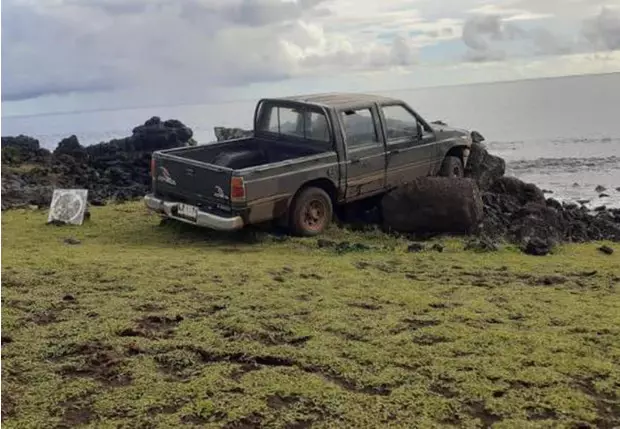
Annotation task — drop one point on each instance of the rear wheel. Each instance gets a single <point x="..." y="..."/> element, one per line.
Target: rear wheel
<point x="311" y="212"/>
<point x="452" y="166"/>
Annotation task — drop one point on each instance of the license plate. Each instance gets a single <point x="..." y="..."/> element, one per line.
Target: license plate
<point x="187" y="211"/>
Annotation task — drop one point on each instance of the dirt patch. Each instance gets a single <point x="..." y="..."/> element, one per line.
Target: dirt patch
<point x="8" y="406"/>
<point x="149" y="307"/>
<point x="268" y="338"/>
<point x="346" y="384"/>
<point x="152" y="326"/>
<point x="93" y="360"/>
<point x="479" y="411"/>
<point x="299" y="424"/>
<point x="253" y="421"/>
<point x="208" y="310"/>
<point x="49" y="315"/>
<point x="75" y="414"/>
<point x="179" y="363"/>
<point x="444" y="305"/>
<point x="269" y="360"/>
<point x="443" y="388"/>
<point x="550" y="280"/>
<point x="9" y="281"/>
<point x="181" y="288"/>
<point x="240" y="358"/>
<point x="607" y="405"/>
<point x="415" y="323"/>
<point x="365" y="306"/>
<point x="238" y="372"/>
<point x="540" y="413"/>
<point x="361" y="265"/>
<point x="20" y="304"/>
<point x="278" y="402"/>
<point x="45" y="317"/>
<point x="427" y="339"/>
<point x="311" y="276"/>
<point x="199" y="420"/>
<point x="134" y="350"/>
<point x="351" y="336"/>
<point x="165" y="409"/>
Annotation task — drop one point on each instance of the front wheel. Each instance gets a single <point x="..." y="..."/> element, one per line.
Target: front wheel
<point x="452" y="166"/>
<point x="311" y="213"/>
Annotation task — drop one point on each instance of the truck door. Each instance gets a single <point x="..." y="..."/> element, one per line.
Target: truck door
<point x="365" y="152"/>
<point x="408" y="154"/>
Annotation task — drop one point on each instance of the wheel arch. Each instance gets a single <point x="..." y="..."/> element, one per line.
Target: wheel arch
<point x="460" y="151"/>
<point x="322" y="183"/>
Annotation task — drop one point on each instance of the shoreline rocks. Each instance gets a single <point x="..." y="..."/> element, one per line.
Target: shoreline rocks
<point x="118" y="169"/>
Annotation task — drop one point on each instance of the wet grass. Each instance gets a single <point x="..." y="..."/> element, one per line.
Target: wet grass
<point x="142" y="325"/>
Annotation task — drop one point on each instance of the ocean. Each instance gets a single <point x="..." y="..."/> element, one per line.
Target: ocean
<point x="563" y="134"/>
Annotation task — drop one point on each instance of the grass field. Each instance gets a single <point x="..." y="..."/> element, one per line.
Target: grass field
<point x="142" y="325"/>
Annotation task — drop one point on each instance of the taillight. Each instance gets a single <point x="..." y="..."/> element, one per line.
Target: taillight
<point x="152" y="167"/>
<point x="237" y="189"/>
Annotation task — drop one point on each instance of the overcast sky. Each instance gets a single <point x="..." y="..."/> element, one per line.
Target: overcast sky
<point x="60" y="55"/>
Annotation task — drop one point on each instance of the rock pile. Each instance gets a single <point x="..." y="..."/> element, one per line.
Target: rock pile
<point x="118" y="169"/>
<point x="518" y="211"/>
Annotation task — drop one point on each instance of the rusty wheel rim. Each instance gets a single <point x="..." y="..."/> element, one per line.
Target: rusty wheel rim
<point x="313" y="215"/>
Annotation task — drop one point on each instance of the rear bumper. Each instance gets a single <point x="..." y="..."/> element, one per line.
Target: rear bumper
<point x="203" y="219"/>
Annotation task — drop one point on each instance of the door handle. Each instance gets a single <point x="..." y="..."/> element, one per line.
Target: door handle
<point x="355" y="161"/>
<point x="394" y="151"/>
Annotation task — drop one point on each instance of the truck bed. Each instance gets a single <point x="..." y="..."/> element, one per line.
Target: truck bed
<point x="249" y="152"/>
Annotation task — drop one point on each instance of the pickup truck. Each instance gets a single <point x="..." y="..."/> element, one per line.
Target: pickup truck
<point x="307" y="155"/>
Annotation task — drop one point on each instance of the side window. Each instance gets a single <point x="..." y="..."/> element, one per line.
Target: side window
<point x="299" y="123"/>
<point x="359" y="127"/>
<point x="284" y="120"/>
<point x="399" y="122"/>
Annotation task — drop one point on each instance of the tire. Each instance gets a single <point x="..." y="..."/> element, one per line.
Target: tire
<point x="311" y="212"/>
<point x="452" y="166"/>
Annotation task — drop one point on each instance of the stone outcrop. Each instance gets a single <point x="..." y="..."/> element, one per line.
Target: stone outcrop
<point x="483" y="167"/>
<point x="118" y="169"/>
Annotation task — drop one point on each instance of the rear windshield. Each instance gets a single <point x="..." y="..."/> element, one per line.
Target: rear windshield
<point x="295" y="122"/>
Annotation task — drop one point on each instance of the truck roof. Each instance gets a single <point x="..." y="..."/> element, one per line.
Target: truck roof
<point x="339" y="100"/>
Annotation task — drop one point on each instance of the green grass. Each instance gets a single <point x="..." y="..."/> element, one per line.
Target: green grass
<point x="143" y="325"/>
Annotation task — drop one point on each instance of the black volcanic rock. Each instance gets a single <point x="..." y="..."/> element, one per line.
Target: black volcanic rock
<point x="118" y="169"/>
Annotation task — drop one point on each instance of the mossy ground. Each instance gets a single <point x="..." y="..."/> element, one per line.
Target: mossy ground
<point x="143" y="325"/>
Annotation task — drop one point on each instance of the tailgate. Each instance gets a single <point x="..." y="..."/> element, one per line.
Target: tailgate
<point x="193" y="182"/>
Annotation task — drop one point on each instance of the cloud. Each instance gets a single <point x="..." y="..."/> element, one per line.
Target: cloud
<point x="482" y="32"/>
<point x="603" y="30"/>
<point x="178" y="49"/>
<point x="531" y="28"/>
<point x="183" y="51"/>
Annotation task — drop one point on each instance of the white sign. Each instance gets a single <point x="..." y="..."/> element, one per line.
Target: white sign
<point x="68" y="206"/>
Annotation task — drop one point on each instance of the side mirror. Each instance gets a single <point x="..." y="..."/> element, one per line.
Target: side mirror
<point x="419" y="129"/>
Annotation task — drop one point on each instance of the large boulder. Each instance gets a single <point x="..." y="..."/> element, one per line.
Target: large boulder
<point x="483" y="167"/>
<point x="433" y="205"/>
